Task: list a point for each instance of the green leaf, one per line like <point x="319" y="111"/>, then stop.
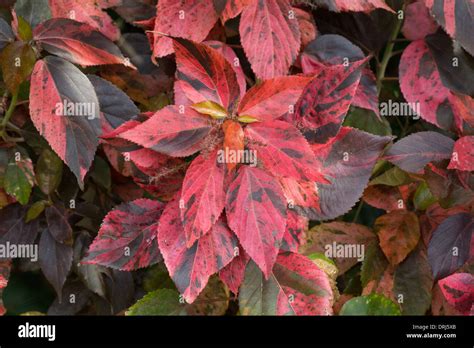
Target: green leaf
<point x="423" y="197"/>
<point x="413" y="281"/>
<point x="35" y="210"/>
<point x="17" y="183"/>
<point x="367" y="121"/>
<point x="49" y="171"/>
<point x="210" y="108"/>
<point x="24" y="29"/>
<point x="101" y="173"/>
<point x="17" y="61"/>
<point x="159" y="302"/>
<point x="374" y="264"/>
<point x="392" y="177"/>
<point x="372" y="304"/>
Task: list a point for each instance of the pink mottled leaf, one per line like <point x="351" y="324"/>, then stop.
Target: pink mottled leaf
<point x="464" y="154"/>
<point x="458" y="290"/>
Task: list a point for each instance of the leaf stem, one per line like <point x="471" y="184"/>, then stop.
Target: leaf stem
<point x="8" y="114"/>
<point x="388" y="53"/>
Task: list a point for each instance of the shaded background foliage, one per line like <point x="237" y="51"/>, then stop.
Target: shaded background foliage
<point x="405" y="194"/>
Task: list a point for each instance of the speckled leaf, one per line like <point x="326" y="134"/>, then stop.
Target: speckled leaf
<point x="192" y="20"/>
<point x="74" y="137"/>
<point x="283" y="150"/>
<point x="415" y="151"/>
<point x="256" y="211"/>
<point x="127" y="237"/>
<point x="399" y="233"/>
<point x="449" y="247"/>
<point x="270" y="37"/>
<point x="295" y="233"/>
<point x="458" y="290"/>
<point x="191" y="268"/>
<point x="321" y="239"/>
<point x="77" y="42"/>
<point x="296" y="286"/>
<point x="233" y="274"/>
<point x="464" y="158"/>
<point x="171" y="132"/>
<point x="202" y="196"/>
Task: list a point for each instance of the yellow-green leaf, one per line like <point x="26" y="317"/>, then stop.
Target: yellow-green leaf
<point x="49" y="171"/>
<point x="24" y="29"/>
<point x="210" y="108"/>
<point x="35" y="210"/>
<point x="247" y="119"/>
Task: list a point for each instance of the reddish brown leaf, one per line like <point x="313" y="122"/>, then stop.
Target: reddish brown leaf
<point x="295" y="233"/>
<point x="127" y="237"/>
<point x="307" y="26"/>
<point x="191" y="20"/>
<point x="74" y="137"/>
<point x="233" y="8"/>
<point x="77" y="42"/>
<point x="384" y="197"/>
<point x="233" y="139"/>
<point x="418" y="22"/>
<point x="283" y="150"/>
<point x="202" y="196"/>
<point x="463" y="154"/>
<point x="171" y="132"/>
<point x="256" y="211"/>
<point x="270" y="36"/>
<point x="191" y="268"/>
<point x="205" y="75"/>
<point x="88" y="11"/>
<point x="458" y="289"/>
<point x="399" y="233"/>
<point x="326" y="238"/>
<point x="274" y="98"/>
<point x="300" y="195"/>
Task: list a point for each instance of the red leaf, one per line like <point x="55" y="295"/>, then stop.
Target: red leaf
<point x="415" y="151"/>
<point x="295" y="233"/>
<point x="418" y="22"/>
<point x="88" y="11"/>
<point x="302" y="196"/>
<point x="326" y="100"/>
<point x="234" y="61"/>
<point x="420" y="82"/>
<point x="77" y="42"/>
<point x="464" y="150"/>
<point x="74" y="138"/>
<point x="295" y="287"/>
<point x="233" y="274"/>
<point x="307" y="26"/>
<point x="256" y="211"/>
<point x="353" y="6"/>
<point x="191" y="268"/>
<point x="456" y="18"/>
<point x="458" y="289"/>
<point x="233" y="8"/>
<point x="127" y="237"/>
<point x="366" y="94"/>
<point x="347" y="160"/>
<point x="283" y="150"/>
<point x="170" y="132"/>
<point x="202" y="197"/>
<point x="205" y="75"/>
<point x="270" y="37"/>
<point x="191" y="20"/>
<point x="274" y="98"/>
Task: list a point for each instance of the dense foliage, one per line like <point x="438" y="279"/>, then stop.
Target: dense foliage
<point x="239" y="157"/>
